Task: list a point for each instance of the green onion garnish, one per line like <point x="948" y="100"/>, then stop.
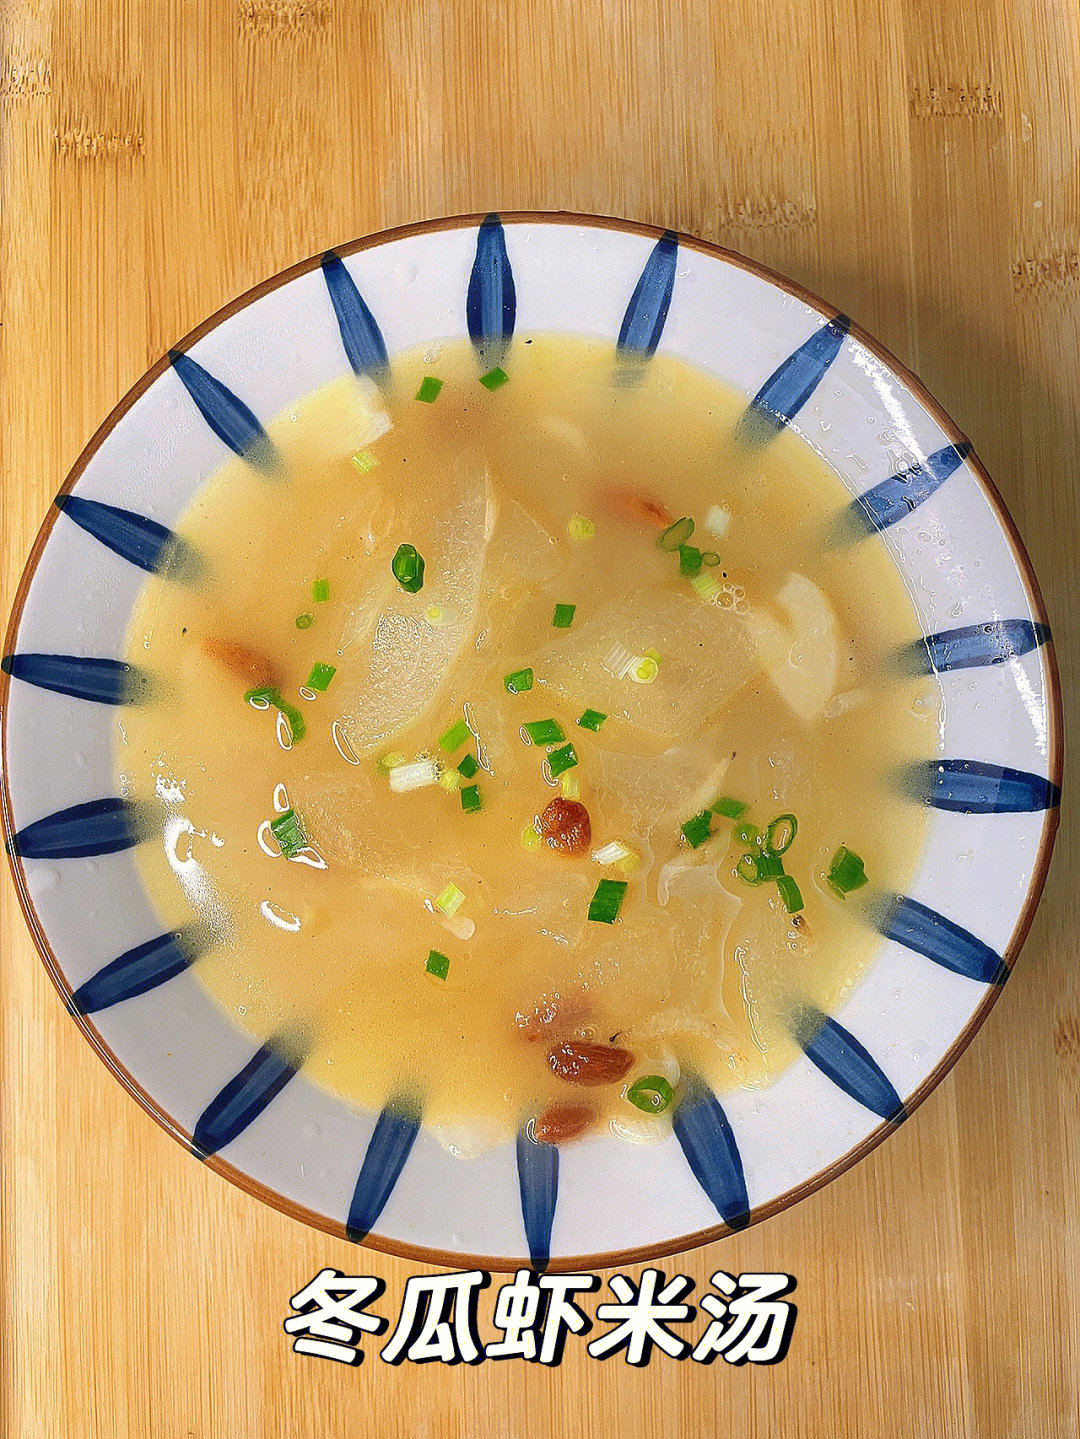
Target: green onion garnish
<point x="408" y="568"/>
<point x="364" y="461"/>
<point x="547" y="731"/>
<point x="604" y="908"/>
<point x="295" y="720"/>
<point x="321" y="675"/>
<point x="652" y="1093"/>
<point x="697" y="829"/>
<point x="780" y="833"/>
<point x="454" y="737"/>
<point x="846" y="871"/>
<point x="468" y="766"/>
<point x="429" y="389"/>
<point x="470" y="799"/>
<point x="592" y="719"/>
<point x="790" y="893"/>
<point x="580" y="528"/>
<point x="562" y="759"/>
<point x="518" y="681"/>
<point x="450" y="900"/>
<point x="747" y="869"/>
<point x="769" y="866"/>
<point x="710" y="558"/>
<point x="437" y="964"/>
<point x="563" y="617"/>
<point x="287" y="831"/>
<point x="689" y="561"/>
<point x="530" y="840"/>
<point x="304" y="621"/>
<point x="746" y="833"/>
<point x="320" y="591"/>
<point x="450" y="780"/>
<point x="728" y="807"/>
<point x="677" y="534"/>
<point x="494" y="378"/>
<point x="389" y="761"/>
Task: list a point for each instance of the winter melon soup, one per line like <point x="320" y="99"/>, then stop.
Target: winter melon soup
<point x="524" y="741"/>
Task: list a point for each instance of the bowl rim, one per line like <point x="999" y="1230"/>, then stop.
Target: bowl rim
<point x="677" y="1244"/>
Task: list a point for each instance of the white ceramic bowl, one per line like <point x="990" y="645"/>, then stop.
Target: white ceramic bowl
<point x="947" y="946"/>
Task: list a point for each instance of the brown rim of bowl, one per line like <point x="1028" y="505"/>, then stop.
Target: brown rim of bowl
<point x="584" y="1262"/>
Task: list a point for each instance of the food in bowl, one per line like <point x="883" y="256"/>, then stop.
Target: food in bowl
<point x="520" y="739"/>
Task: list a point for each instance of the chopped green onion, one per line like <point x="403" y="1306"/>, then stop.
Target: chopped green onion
<point x="562" y="759"/>
<point x="710" y="558"/>
<point x="470" y="799"/>
<point x="652" y="1093"/>
<point x="717" y="521"/>
<point x="780" y="833"/>
<point x="790" y="893"/>
<point x="518" y="682"/>
<point x="468" y="766"/>
<point x="611" y="853"/>
<point x="321" y="675"/>
<point x="408" y="568"/>
<point x="429" y="389"/>
<point x="450" y="900"/>
<point x="697" y="830"/>
<point x="530" y="840"/>
<point x="747" y="869"/>
<point x="606" y="902"/>
<point x="707" y="586"/>
<point x="437" y="964"/>
<point x="846" y="871"/>
<point x="296" y="722"/>
<point x="689" y="561"/>
<point x="746" y="833"/>
<point x="389" y="762"/>
<point x="563" y="617"/>
<point x="454" y="737"/>
<point x="580" y="529"/>
<point x="320" y="591"/>
<point x="770" y="866"/>
<point x="450" y="780"/>
<point x="494" y="378"/>
<point x="645" y="670"/>
<point x="547" y="731"/>
<point x="592" y="719"/>
<point x="728" y="807"/>
<point x="287" y="831"/>
<point x="570" y="786"/>
<point x="304" y="621"/>
<point x="404" y="778"/>
<point x="677" y="534"/>
<point x="364" y="461"/>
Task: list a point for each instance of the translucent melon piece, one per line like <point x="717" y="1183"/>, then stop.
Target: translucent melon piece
<point x="632" y="974"/>
<point x="671" y="786"/>
<point x="395" y="672"/>
<point x="556" y="912"/>
<point x="802" y="658"/>
<point x="351" y="417"/>
<point x="521" y="553"/>
<point x="706" y="658"/>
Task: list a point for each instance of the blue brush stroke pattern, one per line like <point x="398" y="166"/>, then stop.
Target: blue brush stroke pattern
<point x="360" y="335"/>
<point x="841" y="1058"/>
<point x="244" y="1098"/>
<point x="971" y="646"/>
<point x="647" y="312"/>
<point x="100" y="826"/>
<point x="538" y="1185"/>
<point x="792" y="383"/>
<point x="707" y="1140"/>
<point x="135" y="538"/>
<point x="491" y="303"/>
<point x="923" y="930"/>
<point x="101" y="681"/>
<point x="902" y="493"/>
<point x="971" y="786"/>
<point x="393" y="1138"/>
<point x="141" y="969"/>
<point x="226" y="414"/>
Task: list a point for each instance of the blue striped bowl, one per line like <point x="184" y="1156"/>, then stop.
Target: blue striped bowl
<point x="946" y="946"/>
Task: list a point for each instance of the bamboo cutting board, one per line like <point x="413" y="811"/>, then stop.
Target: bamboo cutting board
<point x="913" y="162"/>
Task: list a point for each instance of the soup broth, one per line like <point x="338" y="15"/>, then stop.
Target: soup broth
<point x="420" y="898"/>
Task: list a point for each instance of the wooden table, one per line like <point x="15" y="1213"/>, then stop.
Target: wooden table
<point x="914" y="162"/>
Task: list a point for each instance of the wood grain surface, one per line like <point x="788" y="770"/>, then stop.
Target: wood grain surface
<point x="915" y="163"/>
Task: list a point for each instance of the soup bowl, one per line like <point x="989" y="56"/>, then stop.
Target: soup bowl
<point x="945" y="946"/>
